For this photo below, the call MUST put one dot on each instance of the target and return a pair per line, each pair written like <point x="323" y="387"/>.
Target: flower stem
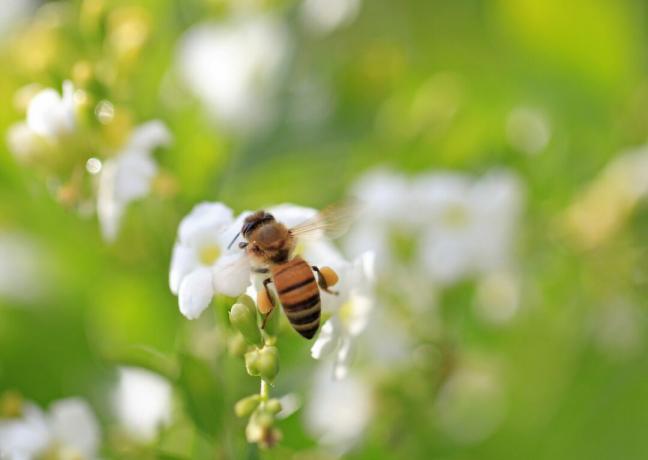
<point x="265" y="390"/>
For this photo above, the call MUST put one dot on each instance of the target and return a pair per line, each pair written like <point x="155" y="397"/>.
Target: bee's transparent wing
<point x="332" y="222"/>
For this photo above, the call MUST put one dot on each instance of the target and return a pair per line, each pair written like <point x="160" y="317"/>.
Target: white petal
<point x="338" y="410"/>
<point x="291" y="215"/>
<point x="23" y="142"/>
<point x="225" y="237"/>
<point x="183" y="261"/>
<point x="75" y="427"/>
<point x="342" y="359"/>
<point x="149" y="136"/>
<point x="26" y="437"/>
<point x="205" y="221"/>
<point x="327" y="340"/>
<point x="196" y="292"/>
<point x="50" y="115"/>
<point x="109" y="209"/>
<point x="232" y="274"/>
<point x="142" y="402"/>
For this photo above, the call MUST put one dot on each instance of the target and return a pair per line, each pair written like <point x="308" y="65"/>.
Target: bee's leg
<point x="321" y="281"/>
<point x="265" y="302"/>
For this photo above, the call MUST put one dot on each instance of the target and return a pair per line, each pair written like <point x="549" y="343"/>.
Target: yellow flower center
<point x="209" y="254"/>
<point x="346" y="312"/>
<point x="11" y="405"/>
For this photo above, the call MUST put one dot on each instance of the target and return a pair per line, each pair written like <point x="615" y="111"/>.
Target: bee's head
<point x="253" y="221"/>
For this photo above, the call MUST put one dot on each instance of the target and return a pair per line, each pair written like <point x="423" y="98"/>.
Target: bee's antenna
<point x="235" y="238"/>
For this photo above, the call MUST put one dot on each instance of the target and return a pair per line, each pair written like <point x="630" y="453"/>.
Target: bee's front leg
<point x="265" y="301"/>
<point x="326" y="277"/>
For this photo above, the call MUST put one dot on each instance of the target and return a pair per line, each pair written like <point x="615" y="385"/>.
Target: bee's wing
<point x="333" y="221"/>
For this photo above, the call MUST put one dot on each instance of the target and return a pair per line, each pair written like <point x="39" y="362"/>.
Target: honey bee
<point x="270" y="246"/>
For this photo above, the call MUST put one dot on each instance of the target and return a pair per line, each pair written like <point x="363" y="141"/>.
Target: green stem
<point x="265" y="391"/>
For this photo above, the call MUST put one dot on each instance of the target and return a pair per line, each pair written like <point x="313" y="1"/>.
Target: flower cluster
<point x="82" y="140"/>
<point x="68" y="430"/>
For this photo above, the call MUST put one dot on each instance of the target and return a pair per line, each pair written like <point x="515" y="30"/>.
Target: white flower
<point x="52" y="115"/>
<point x="201" y="265"/>
<point x="13" y="13"/>
<point x="528" y="130"/>
<point x="338" y="411"/>
<point x="70" y="430"/>
<point x="24" y="143"/>
<point x="25" y="437"/>
<point x="142" y="402"/>
<point x="74" y="429"/>
<point x="448" y="224"/>
<point x="337" y="334"/>
<point x="234" y="68"/>
<point x="471" y="224"/>
<point x="324" y="16"/>
<point x="128" y="176"/>
<point x="25" y="268"/>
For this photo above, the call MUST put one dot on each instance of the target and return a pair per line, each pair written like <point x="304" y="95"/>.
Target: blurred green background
<point x="415" y="86"/>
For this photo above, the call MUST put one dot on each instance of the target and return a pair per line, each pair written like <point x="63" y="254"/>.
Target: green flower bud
<point x="273" y="406"/>
<point x="246" y="406"/>
<point x="267" y="363"/>
<point x="264" y="419"/>
<point x="244" y="319"/>
<point x="237" y="346"/>
<point x="248" y="301"/>
<point x="252" y="362"/>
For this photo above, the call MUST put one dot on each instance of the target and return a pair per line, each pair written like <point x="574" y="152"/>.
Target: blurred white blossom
<point x="338" y="333"/>
<point x="448" y="224"/>
<point x="142" y="402"/>
<point x="528" y="130"/>
<point x="324" y="16"/>
<point x="234" y="68"/>
<point x="202" y="265"/>
<point x="53" y="115"/>
<point x="338" y="411"/>
<point x="618" y="329"/>
<point x="471" y="404"/>
<point x="24" y="267"/>
<point x="69" y="430"/>
<point x="128" y="175"/>
<point x="13" y="12"/>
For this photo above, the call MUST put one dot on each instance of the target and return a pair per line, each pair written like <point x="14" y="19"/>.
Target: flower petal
<point x="232" y="274"/>
<point x="183" y="261"/>
<point x="26" y="437"/>
<point x="148" y="136"/>
<point x="342" y="359"/>
<point x="196" y="292"/>
<point x="205" y="221"/>
<point x="327" y="340"/>
<point x="74" y="426"/>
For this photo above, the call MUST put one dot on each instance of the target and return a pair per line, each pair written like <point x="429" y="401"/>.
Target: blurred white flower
<point x="448" y="224"/>
<point x="338" y="411"/>
<point x="74" y="429"/>
<point x="497" y="297"/>
<point x="201" y="265"/>
<point x="528" y="130"/>
<point x="24" y="143"/>
<point x="471" y="404"/>
<point x="69" y="430"/>
<point x="13" y="12"/>
<point x="24" y="268"/>
<point x="25" y="437"/>
<point x="338" y="333"/>
<point x="52" y="115"/>
<point x="234" y="68"/>
<point x="472" y="223"/>
<point x="128" y="176"/>
<point x="142" y="402"/>
<point x="324" y="16"/>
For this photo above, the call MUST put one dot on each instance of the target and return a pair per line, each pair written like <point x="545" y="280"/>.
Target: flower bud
<point x="268" y="363"/>
<point x="246" y="406"/>
<point x="237" y="346"/>
<point x="273" y="406"/>
<point x="246" y="300"/>
<point x="252" y="362"/>
<point x="244" y="319"/>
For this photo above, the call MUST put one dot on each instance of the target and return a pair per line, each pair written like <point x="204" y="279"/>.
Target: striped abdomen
<point x="299" y="295"/>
